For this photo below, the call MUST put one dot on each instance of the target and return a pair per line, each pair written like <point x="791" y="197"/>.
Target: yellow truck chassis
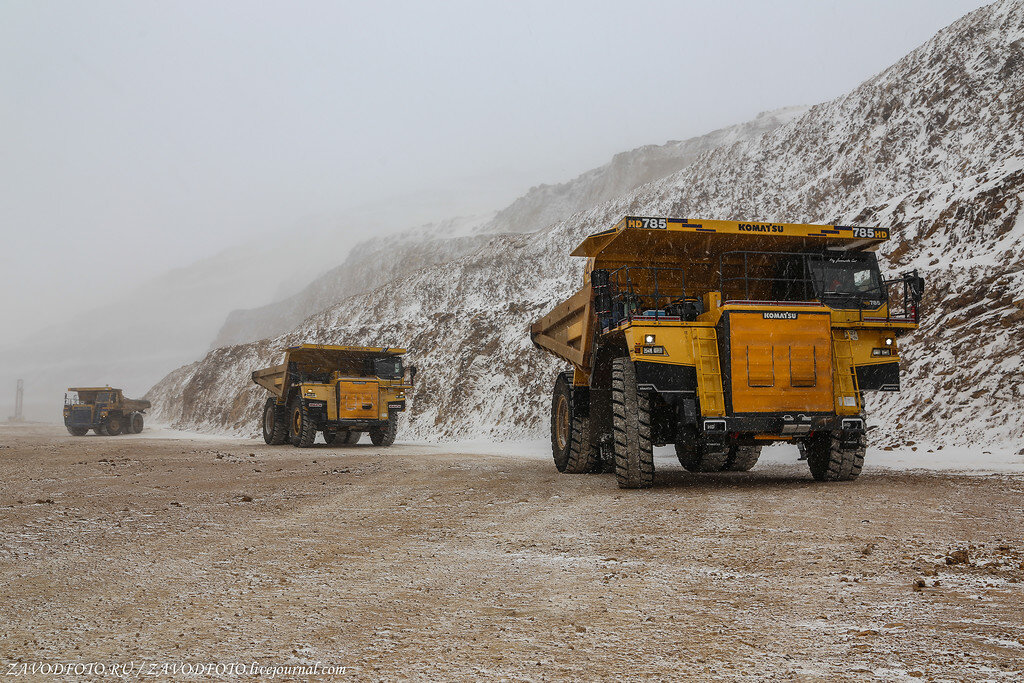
<point x="104" y="410"/>
<point x="340" y="391"/>
<point x="719" y="337"/>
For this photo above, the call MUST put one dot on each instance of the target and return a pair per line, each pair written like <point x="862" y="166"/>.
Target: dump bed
<point x="128" y="405"/>
<point x="133" y="405"/>
<point x="319" y="358"/>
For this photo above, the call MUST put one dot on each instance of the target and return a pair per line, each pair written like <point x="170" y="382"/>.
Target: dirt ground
<point x="412" y="562"/>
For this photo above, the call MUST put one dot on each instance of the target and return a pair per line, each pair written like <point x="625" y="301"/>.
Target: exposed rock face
<point x="933" y="147"/>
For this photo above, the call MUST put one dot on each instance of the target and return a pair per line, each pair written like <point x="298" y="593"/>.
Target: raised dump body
<point x="104" y="410"/>
<point x="720" y="337"/>
<point x="341" y="391"/>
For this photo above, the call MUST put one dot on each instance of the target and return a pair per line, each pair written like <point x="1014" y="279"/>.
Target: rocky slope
<point x="932" y="147"/>
<point x="376" y="261"/>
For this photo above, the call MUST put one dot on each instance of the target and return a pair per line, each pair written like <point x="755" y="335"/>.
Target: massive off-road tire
<point x="101" y="430"/>
<point x="631" y="422"/>
<point x="383" y="436"/>
<point x="137" y="422"/>
<point x="742" y="458"/>
<point x="77" y="431"/>
<point x="696" y="455"/>
<point x="352" y="438"/>
<point x="570" y="433"/>
<point x="115" y="425"/>
<point x="275" y="423"/>
<point x="301" y="428"/>
<point x="829" y="462"/>
<point x="330" y="436"/>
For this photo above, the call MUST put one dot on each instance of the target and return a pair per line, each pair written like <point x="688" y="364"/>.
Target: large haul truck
<point x="104" y="410"/>
<point x="341" y="391"/>
<point x="720" y="337"/>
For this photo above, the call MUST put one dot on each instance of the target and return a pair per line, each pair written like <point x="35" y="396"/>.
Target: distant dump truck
<point x="341" y="391"/>
<point x="104" y="410"/>
<point x="720" y="337"/>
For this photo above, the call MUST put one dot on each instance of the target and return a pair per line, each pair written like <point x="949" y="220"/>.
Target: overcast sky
<point x="136" y="136"/>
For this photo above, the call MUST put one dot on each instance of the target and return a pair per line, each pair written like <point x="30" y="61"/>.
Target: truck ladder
<point x="842" y="370"/>
<point x="709" y="372"/>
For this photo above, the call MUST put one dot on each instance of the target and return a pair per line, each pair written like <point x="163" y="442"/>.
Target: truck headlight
<point x="881" y="352"/>
<point x="648" y="339"/>
<point x="888" y="341"/>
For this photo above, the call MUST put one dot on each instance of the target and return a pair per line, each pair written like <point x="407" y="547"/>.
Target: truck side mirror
<point x="412" y="374"/>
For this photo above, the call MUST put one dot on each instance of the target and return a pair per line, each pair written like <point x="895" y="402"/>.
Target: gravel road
<point x="414" y="562"/>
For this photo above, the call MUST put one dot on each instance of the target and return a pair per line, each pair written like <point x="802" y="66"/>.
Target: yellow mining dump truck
<point x="104" y="410"/>
<point x="720" y="337"/>
<point x="341" y="391"/>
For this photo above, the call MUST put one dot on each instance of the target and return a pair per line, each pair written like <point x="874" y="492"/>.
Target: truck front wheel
<point x="382" y="436"/>
<point x="570" y="433"/>
<point x="275" y="423"/>
<point x="631" y="420"/>
<point x="829" y="462"/>
<point x="115" y="426"/>
<point x="301" y="428"/>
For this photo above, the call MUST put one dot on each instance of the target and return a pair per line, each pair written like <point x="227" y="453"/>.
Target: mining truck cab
<point x="720" y="337"/>
<point x="105" y="410"/>
<point x="340" y="391"/>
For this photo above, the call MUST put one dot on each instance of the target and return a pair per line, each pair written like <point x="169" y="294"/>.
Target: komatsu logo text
<point x="780" y="315"/>
<point x="762" y="227"/>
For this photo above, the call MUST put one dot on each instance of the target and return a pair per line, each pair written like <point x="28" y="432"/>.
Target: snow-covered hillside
<point x="932" y="147"/>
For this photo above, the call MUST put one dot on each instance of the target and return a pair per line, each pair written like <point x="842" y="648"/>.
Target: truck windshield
<point x="847" y="281"/>
<point x="388" y="368"/>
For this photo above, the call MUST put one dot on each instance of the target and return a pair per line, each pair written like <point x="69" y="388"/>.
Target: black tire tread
<point x="384" y="436"/>
<point x="631" y="426"/>
<point x="695" y="455"/>
<point x="579" y="456"/>
<point x="828" y="462"/>
<point x="306" y="435"/>
<point x="279" y="434"/>
<point x="742" y="458"/>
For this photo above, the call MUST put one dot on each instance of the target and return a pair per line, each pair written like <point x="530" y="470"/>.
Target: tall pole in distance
<point x="19" y="402"/>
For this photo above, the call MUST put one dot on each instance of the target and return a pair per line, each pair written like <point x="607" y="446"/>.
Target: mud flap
<point x="850" y="433"/>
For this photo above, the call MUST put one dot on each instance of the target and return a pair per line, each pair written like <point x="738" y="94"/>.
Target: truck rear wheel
<point x="742" y="458"/>
<point x="77" y="431"/>
<point x="330" y="435"/>
<point x="137" y="422"/>
<point x="301" y="428"/>
<point x="383" y="436"/>
<point x="631" y="421"/>
<point x="570" y="433"/>
<point x="352" y="438"/>
<point x="275" y="423"/>
<point x="829" y="462"/>
<point x="696" y="455"/>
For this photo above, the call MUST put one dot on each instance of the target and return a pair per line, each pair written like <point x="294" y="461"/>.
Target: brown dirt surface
<point x="414" y="562"/>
